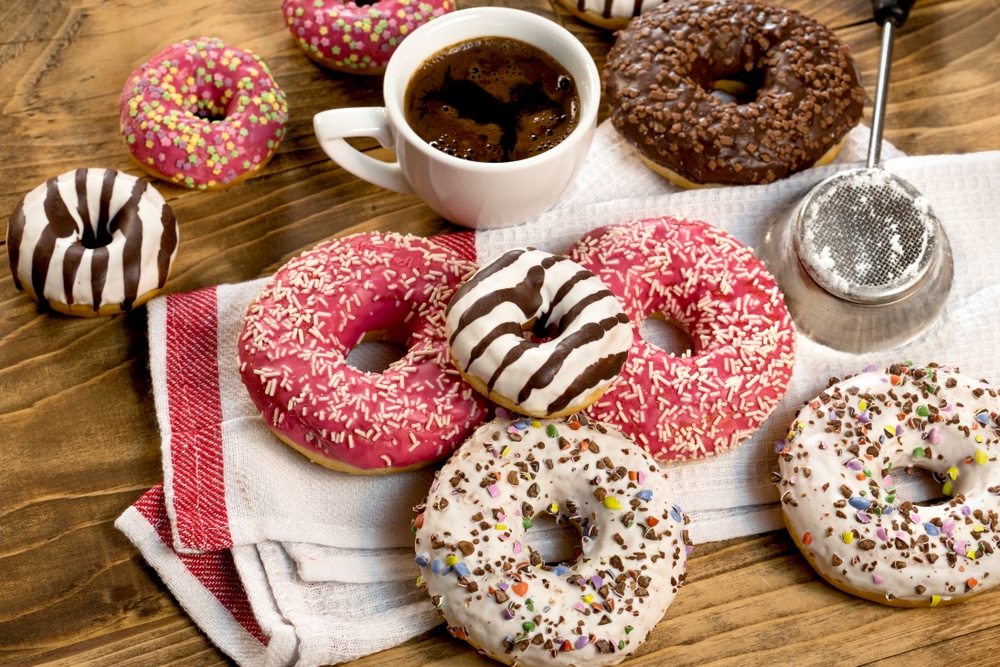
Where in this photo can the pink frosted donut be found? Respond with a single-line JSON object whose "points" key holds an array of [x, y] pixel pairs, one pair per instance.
{"points": [[297, 335], [357, 37], [202, 114], [722, 297]]}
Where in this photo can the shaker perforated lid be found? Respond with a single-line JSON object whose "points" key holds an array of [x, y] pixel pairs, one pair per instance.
{"points": [[867, 237]]}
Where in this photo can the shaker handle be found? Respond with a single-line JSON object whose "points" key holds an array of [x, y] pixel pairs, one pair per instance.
{"points": [[896, 11]]}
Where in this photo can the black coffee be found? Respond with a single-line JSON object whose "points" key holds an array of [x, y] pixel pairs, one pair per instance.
{"points": [[492, 99]]}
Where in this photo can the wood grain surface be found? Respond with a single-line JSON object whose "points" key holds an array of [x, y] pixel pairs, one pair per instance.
{"points": [[78, 438]]}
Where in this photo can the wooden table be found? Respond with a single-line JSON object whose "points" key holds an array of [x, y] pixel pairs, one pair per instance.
{"points": [[78, 438]]}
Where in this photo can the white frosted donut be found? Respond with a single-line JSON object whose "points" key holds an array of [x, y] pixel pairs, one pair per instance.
{"points": [[474, 544], [92, 242], [839, 498], [579, 341]]}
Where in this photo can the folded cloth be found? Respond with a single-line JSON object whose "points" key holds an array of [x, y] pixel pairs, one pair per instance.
{"points": [[293, 526]]}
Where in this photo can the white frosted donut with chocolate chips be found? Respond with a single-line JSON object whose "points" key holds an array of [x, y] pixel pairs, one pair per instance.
{"points": [[92, 242], [842, 508], [477, 562], [578, 342]]}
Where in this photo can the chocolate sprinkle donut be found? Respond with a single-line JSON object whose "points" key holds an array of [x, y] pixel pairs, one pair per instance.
{"points": [[731, 92]]}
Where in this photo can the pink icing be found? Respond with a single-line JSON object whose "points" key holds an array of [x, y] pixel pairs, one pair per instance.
{"points": [[297, 335], [359, 39], [698, 404], [202, 114]]}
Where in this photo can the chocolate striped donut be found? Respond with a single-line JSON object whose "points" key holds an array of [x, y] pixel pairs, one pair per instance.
{"points": [[92, 242], [537, 333]]}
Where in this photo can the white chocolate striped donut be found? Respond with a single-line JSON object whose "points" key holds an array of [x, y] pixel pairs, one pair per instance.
{"points": [[528, 289], [608, 14], [839, 498], [477, 562], [92, 242]]}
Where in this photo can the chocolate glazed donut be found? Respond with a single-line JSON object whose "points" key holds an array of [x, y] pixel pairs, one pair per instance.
{"points": [[731, 92], [89, 227]]}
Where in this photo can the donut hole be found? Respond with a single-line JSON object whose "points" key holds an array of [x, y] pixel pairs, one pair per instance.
{"points": [[377, 351], [741, 87], [666, 333], [919, 485], [538, 332], [556, 542], [92, 239]]}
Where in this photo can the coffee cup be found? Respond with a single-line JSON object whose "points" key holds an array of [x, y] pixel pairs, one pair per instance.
{"points": [[478, 195]]}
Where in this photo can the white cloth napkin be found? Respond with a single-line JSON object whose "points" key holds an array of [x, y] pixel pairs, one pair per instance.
{"points": [[264, 548]]}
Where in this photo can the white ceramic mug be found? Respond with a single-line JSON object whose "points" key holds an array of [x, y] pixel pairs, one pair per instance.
{"points": [[479, 195]]}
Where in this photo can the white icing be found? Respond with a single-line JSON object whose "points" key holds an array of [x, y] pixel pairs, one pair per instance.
{"points": [[838, 456], [475, 553]]}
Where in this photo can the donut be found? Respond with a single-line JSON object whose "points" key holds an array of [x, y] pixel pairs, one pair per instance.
{"points": [[537, 333], [317, 308], [839, 497], [493, 587], [731, 92], [357, 37], [202, 114], [608, 14], [742, 339], [92, 242]]}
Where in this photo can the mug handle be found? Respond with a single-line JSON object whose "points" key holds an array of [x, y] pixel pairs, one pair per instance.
{"points": [[332, 126]]}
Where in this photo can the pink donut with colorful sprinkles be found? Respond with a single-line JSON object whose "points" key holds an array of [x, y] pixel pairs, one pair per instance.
{"points": [[357, 37], [202, 114], [704, 281], [298, 333]]}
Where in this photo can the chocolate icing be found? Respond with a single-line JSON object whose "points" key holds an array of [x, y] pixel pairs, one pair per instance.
{"points": [[660, 75]]}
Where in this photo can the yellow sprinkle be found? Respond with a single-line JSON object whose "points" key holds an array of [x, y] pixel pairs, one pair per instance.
{"points": [[981, 457], [505, 452], [935, 600], [536, 424], [979, 438], [451, 559], [848, 537], [588, 598], [953, 472], [947, 488], [501, 526], [971, 554], [553, 508], [862, 405], [612, 503]]}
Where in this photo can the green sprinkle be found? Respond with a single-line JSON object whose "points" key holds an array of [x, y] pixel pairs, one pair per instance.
{"points": [[551, 431], [918, 453], [528, 626]]}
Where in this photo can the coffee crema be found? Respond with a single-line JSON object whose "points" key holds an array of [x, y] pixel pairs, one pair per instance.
{"points": [[492, 99]]}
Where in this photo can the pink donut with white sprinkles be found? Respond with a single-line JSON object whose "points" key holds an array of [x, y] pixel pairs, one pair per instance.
{"points": [[317, 308], [708, 284], [357, 37], [202, 114]]}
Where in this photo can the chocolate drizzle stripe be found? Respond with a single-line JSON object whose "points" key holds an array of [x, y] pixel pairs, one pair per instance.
{"points": [[15, 232], [130, 225], [168, 243]]}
